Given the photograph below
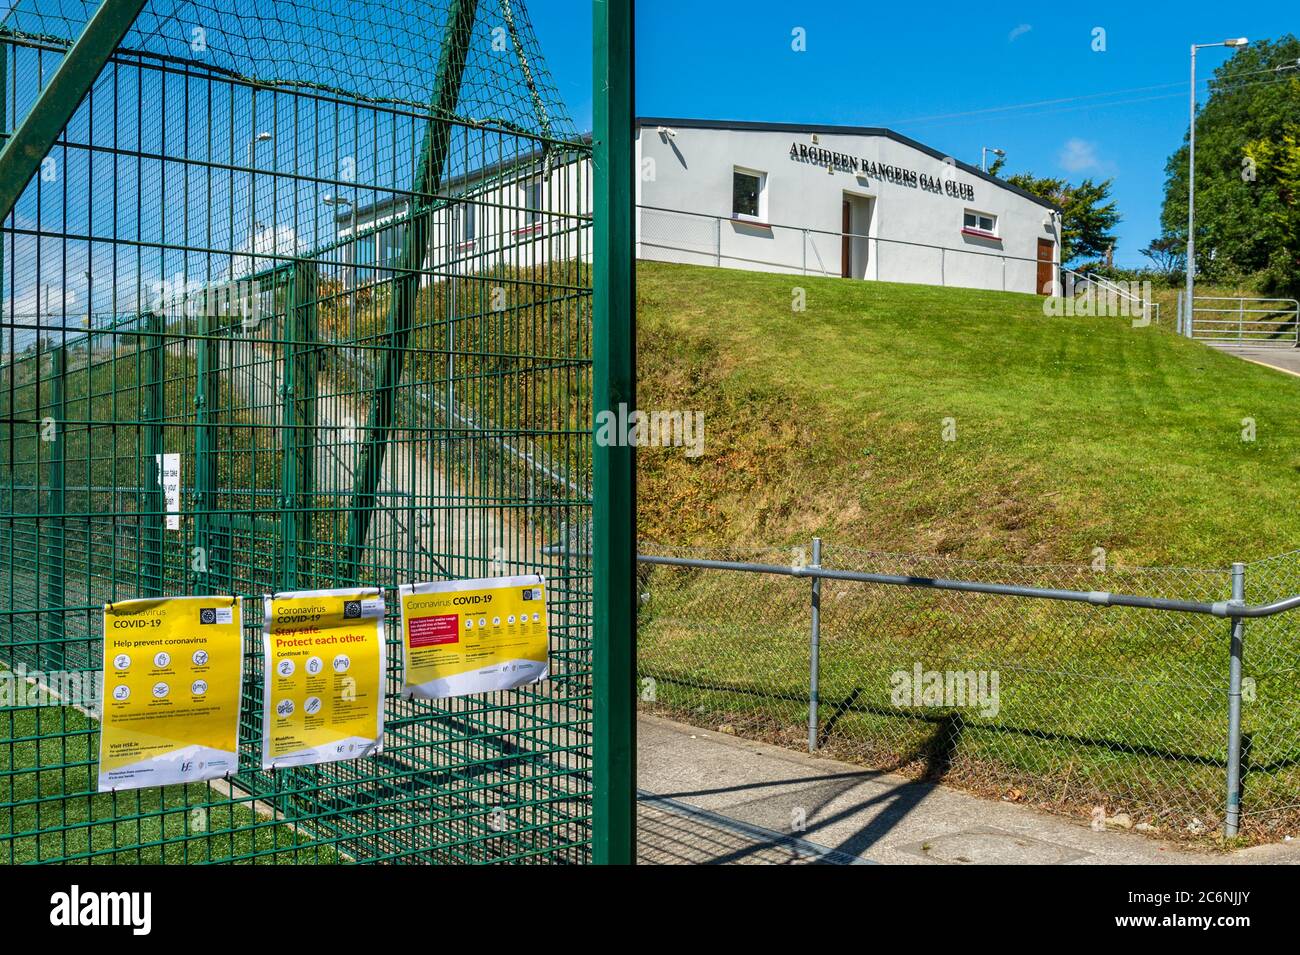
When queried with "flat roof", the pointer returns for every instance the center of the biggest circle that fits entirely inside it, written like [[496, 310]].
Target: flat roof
[[809, 128], [481, 176]]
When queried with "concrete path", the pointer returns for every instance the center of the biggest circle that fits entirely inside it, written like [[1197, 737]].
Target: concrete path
[[412, 517], [709, 797], [1283, 359]]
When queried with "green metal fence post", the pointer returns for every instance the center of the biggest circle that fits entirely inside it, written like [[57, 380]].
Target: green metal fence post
[[298, 417], [207, 383], [287, 497], [150, 509], [51, 653], [35, 136], [613, 464], [406, 281], [4, 138]]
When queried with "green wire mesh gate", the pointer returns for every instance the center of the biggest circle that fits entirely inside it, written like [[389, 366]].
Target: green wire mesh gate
[[337, 257]]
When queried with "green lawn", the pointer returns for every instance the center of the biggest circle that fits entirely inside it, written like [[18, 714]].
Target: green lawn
[[1071, 434], [49, 810]]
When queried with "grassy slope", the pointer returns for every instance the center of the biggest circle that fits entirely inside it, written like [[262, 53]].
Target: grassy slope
[[1072, 432]]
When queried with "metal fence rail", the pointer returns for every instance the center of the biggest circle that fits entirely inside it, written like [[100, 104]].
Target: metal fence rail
[[1142, 690], [727, 242], [1110, 295]]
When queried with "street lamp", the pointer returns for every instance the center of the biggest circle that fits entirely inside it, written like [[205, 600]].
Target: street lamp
[[262, 137], [1191, 177], [984, 156], [335, 201]]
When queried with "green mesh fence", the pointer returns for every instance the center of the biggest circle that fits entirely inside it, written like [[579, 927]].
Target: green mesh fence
[[337, 257]]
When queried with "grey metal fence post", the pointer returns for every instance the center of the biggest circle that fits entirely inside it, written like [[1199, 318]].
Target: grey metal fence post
[[1233, 823], [814, 656]]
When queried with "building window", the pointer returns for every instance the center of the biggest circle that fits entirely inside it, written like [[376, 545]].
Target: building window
[[532, 201], [364, 250], [980, 222], [392, 242], [467, 223], [748, 194]]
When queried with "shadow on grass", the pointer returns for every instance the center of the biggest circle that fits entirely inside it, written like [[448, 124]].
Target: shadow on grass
[[852, 704]]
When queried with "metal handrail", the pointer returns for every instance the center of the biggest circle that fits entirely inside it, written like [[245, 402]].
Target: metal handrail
[[834, 234], [1123, 293], [1099, 598]]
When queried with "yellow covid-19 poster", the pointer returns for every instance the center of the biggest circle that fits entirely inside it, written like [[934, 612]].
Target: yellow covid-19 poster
[[171, 691], [323, 693], [473, 636]]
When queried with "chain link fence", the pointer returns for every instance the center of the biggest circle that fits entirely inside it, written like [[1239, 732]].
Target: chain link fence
[[1060, 705]]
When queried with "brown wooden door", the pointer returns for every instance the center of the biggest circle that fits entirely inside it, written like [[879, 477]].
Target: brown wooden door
[[846, 252], [1046, 267]]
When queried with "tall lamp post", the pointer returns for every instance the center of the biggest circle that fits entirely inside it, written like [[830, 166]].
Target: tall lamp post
[[335, 201], [984, 156], [1191, 178], [262, 137]]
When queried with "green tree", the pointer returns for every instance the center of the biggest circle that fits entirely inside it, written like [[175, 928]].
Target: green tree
[[1247, 171], [1088, 214], [1167, 254]]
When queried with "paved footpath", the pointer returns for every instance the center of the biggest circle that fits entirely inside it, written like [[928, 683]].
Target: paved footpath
[[1283, 359], [711, 798]]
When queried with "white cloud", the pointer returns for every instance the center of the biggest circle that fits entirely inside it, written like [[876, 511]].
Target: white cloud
[[1018, 32], [1079, 155], [44, 304]]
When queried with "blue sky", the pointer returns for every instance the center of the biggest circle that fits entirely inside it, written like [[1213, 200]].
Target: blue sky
[[929, 69]]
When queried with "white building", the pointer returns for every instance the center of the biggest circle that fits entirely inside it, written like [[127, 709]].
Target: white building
[[518, 213], [856, 202]]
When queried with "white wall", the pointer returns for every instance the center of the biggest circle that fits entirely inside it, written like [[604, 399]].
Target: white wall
[[503, 234], [691, 172], [913, 234]]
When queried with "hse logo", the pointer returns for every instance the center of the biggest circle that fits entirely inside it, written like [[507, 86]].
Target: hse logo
[[77, 908]]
